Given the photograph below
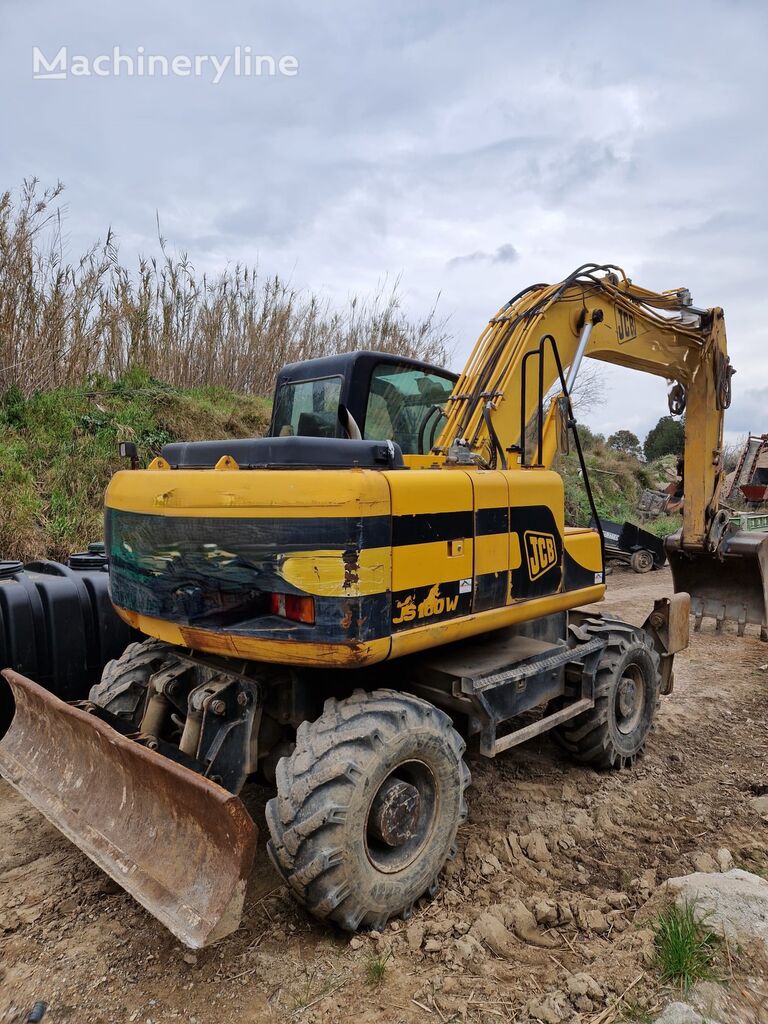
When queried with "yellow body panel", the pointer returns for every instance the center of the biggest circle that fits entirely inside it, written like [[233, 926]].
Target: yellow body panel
[[423, 637], [279, 652], [394, 560], [288, 652], [325, 573], [492, 554], [296, 493], [419, 498], [581, 545], [422, 565], [492, 550]]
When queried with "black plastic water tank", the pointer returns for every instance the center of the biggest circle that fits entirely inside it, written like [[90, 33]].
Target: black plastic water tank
[[57, 624]]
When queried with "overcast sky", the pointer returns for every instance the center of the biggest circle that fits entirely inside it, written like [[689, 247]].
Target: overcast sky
[[471, 148]]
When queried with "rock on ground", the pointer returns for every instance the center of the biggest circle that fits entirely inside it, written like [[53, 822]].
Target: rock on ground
[[682, 1013], [489, 930], [584, 992], [551, 1008], [734, 903], [724, 859], [711, 1000], [704, 862]]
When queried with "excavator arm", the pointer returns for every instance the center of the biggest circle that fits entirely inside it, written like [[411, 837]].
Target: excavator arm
[[599, 313], [495, 415]]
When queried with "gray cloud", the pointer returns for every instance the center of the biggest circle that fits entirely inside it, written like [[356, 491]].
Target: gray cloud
[[506, 253], [410, 144], [750, 412]]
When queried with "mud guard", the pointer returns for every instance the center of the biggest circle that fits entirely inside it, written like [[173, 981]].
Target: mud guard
[[731, 583], [668, 625], [181, 845]]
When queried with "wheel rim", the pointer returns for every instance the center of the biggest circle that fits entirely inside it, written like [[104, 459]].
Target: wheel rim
[[630, 699], [401, 817], [645, 560]]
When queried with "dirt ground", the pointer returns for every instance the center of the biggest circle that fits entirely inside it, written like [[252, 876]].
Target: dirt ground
[[581, 851]]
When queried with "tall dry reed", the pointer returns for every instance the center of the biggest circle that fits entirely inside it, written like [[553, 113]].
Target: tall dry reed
[[61, 321]]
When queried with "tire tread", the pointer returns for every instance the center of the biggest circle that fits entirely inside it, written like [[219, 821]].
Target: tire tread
[[587, 736], [314, 787]]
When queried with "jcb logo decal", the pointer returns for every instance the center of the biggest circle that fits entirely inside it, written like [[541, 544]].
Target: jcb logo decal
[[540, 553], [626, 325]]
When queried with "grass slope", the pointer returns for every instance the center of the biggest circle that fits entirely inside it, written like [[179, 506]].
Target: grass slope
[[58, 450], [618, 480]]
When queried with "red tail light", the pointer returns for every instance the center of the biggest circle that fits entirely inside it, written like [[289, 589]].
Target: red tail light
[[293, 606]]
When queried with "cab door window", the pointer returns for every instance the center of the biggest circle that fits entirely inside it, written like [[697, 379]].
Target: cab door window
[[308, 408]]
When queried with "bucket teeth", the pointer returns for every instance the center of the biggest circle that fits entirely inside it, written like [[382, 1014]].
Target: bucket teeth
[[730, 585]]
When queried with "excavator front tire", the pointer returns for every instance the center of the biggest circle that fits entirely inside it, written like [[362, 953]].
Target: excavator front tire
[[123, 684], [367, 807], [613, 733]]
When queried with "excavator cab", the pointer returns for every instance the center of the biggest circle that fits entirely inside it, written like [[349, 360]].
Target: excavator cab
[[370, 396]]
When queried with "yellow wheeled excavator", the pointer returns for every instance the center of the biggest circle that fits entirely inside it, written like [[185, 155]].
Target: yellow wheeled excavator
[[340, 607]]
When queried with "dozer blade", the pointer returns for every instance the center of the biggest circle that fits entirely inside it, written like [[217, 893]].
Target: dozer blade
[[182, 846], [730, 584]]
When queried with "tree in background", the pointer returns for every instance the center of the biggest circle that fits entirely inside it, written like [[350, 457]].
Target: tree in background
[[625, 441], [732, 453], [666, 438]]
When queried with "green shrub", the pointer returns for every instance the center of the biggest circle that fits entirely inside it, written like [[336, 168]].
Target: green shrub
[[58, 450]]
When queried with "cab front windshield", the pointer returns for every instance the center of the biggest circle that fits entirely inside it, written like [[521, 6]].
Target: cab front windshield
[[399, 403]]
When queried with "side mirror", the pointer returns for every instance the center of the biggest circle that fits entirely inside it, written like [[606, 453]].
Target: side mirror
[[128, 450]]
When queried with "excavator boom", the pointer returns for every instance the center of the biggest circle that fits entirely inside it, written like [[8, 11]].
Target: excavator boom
[[598, 312]]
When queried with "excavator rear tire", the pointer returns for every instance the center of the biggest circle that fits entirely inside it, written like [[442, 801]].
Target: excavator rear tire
[[367, 807], [123, 684], [614, 732]]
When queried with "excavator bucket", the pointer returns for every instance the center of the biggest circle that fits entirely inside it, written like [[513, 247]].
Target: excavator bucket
[[182, 846], [729, 584]]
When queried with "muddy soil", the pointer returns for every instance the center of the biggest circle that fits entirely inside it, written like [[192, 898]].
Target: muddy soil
[[566, 858]]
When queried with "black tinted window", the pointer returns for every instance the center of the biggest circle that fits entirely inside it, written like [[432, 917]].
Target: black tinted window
[[308, 408]]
